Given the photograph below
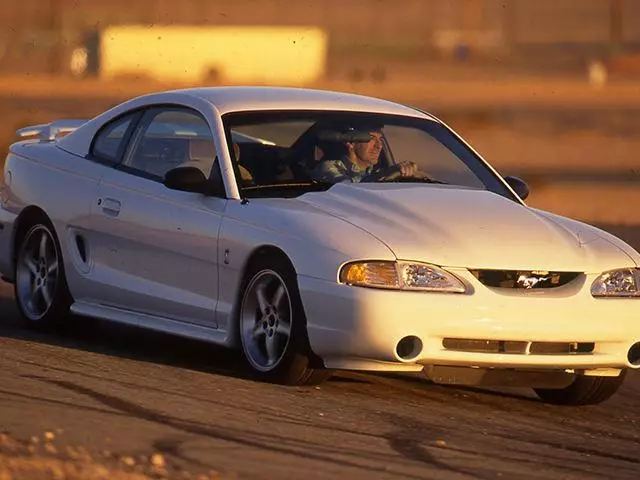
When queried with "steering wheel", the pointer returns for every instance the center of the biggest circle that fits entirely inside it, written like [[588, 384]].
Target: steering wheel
[[393, 173]]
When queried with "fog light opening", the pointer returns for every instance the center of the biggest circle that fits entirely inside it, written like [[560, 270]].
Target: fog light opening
[[634, 355], [409, 348]]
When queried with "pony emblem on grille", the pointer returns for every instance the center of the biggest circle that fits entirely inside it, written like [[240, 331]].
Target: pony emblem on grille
[[530, 281]]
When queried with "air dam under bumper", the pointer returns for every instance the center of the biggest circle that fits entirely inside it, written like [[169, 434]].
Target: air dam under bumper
[[561, 328]]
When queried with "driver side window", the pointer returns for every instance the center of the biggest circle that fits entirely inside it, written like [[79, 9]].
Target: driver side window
[[167, 138]]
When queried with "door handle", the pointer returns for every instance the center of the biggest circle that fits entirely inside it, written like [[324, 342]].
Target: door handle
[[110, 206]]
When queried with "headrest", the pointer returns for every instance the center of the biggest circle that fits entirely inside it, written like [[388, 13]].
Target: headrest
[[202, 149]]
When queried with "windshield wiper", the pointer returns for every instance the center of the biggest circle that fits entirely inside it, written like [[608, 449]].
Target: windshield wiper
[[411, 180]]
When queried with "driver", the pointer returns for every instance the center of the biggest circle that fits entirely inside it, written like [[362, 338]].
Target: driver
[[359, 160]]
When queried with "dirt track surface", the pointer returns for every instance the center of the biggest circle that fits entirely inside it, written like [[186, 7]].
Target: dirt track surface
[[123, 395]]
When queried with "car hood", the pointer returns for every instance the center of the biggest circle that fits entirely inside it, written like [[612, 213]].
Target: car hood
[[469, 228]]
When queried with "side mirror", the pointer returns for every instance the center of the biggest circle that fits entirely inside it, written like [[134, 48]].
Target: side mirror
[[519, 186], [186, 179]]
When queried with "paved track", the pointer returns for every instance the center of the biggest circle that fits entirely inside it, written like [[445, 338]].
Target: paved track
[[128, 392]]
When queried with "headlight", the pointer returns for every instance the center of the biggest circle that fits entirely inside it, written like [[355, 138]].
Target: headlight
[[401, 276], [617, 283]]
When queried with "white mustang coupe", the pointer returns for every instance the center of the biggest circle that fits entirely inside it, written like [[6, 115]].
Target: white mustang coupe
[[315, 231]]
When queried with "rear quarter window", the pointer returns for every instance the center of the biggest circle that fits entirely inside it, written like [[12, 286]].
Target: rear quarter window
[[110, 138]]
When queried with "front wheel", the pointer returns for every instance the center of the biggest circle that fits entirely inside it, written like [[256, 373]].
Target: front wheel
[[273, 329], [583, 391]]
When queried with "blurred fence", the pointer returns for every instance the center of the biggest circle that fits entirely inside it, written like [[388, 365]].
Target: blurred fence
[[39, 36]]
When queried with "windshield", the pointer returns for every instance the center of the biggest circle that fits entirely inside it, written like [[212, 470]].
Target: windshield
[[288, 153]]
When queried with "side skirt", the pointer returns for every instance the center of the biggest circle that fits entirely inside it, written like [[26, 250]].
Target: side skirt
[[142, 320]]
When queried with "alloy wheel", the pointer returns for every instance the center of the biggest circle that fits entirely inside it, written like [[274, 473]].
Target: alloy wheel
[[37, 273], [265, 320]]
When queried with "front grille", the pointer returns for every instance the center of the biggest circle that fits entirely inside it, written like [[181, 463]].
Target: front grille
[[525, 279], [518, 347]]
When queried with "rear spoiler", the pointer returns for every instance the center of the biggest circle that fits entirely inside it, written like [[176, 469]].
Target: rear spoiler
[[49, 132]]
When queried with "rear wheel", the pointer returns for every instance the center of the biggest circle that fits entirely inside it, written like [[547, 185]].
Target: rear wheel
[[273, 329], [583, 391], [40, 286]]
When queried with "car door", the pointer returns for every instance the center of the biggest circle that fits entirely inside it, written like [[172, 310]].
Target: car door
[[106, 148], [155, 249]]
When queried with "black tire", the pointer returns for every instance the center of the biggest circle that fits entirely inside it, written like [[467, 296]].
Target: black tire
[[583, 391], [52, 310], [297, 364]]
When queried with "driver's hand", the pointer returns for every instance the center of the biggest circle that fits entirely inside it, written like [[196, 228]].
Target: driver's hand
[[407, 168]]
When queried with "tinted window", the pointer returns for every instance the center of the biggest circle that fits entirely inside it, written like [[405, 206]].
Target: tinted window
[[168, 139], [109, 139]]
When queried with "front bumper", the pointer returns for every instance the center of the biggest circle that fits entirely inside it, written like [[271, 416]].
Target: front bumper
[[359, 328]]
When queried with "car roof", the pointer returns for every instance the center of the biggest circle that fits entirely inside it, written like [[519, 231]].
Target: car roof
[[245, 98]]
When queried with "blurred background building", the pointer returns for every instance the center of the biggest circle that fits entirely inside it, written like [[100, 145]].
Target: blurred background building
[[360, 38]]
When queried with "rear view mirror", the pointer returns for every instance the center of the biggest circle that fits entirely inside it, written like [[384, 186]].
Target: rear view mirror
[[354, 136], [519, 186]]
